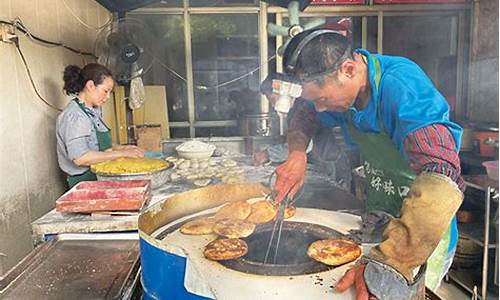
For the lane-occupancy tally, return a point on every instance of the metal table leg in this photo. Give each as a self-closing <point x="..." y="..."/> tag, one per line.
<point x="484" y="283"/>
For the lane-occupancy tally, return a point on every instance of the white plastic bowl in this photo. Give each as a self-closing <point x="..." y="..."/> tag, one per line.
<point x="195" y="155"/>
<point x="491" y="169"/>
<point x="195" y="150"/>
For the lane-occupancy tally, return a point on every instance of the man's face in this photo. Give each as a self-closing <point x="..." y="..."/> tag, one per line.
<point x="338" y="93"/>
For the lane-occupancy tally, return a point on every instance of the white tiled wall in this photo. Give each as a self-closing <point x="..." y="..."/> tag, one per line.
<point x="30" y="180"/>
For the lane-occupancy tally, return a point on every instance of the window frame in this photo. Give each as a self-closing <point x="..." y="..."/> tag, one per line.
<point x="263" y="11"/>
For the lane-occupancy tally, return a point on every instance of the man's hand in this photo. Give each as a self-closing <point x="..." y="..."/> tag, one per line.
<point x="131" y="152"/>
<point x="355" y="276"/>
<point x="290" y="175"/>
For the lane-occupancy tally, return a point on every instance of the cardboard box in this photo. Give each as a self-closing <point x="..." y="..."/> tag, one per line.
<point x="149" y="137"/>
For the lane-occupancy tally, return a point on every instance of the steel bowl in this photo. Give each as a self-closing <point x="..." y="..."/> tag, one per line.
<point x="157" y="178"/>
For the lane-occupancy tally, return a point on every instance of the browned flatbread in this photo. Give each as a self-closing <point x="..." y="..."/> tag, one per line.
<point x="234" y="228"/>
<point x="198" y="226"/>
<point x="225" y="249"/>
<point x="334" y="252"/>
<point x="234" y="210"/>
<point x="290" y="212"/>
<point x="262" y="212"/>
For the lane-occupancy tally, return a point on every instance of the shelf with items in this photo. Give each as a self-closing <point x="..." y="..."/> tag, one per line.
<point x="482" y="183"/>
<point x="481" y="233"/>
<point x="467" y="281"/>
<point x="475" y="232"/>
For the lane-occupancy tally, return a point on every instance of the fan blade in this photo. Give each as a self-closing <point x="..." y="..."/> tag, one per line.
<point x="316" y="22"/>
<point x="275" y="30"/>
<point x="124" y="47"/>
<point x="293" y="12"/>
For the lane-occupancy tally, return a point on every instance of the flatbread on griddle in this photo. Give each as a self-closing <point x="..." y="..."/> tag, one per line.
<point x="334" y="252"/>
<point x="262" y="212"/>
<point x="224" y="249"/>
<point x="234" y="228"/>
<point x="198" y="226"/>
<point x="290" y="212"/>
<point x="234" y="210"/>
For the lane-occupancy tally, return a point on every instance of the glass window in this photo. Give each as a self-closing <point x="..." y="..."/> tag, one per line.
<point x="372" y="34"/>
<point x="166" y="4"/>
<point x="433" y="45"/>
<point x="177" y="132"/>
<point x="168" y="50"/>
<point x="350" y="26"/>
<point x="217" y="131"/>
<point x="225" y="51"/>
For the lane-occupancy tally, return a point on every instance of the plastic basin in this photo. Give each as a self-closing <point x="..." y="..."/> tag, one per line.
<point x="491" y="169"/>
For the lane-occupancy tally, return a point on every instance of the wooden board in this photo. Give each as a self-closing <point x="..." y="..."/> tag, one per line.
<point x="154" y="110"/>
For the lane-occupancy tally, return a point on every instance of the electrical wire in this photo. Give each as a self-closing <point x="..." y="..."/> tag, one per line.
<point x="31" y="78"/>
<point x="83" y="22"/>
<point x="204" y="87"/>
<point x="20" y="26"/>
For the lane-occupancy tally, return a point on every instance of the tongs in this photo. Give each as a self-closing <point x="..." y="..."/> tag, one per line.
<point x="278" y="223"/>
<point x="277" y="227"/>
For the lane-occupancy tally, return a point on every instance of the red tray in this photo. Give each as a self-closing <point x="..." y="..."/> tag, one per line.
<point x="92" y="196"/>
<point x="337" y="2"/>
<point x="418" y="1"/>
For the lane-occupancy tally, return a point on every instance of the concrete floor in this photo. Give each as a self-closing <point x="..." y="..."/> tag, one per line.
<point x="449" y="291"/>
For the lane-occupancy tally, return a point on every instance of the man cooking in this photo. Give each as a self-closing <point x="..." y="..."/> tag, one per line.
<point x="410" y="150"/>
<point x="328" y="148"/>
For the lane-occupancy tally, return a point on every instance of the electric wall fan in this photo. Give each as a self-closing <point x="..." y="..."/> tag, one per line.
<point x="124" y="47"/>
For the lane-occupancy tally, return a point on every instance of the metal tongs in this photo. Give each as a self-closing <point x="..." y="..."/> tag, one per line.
<point x="278" y="223"/>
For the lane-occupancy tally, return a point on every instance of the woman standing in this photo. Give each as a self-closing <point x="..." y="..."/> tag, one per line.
<point x="82" y="137"/>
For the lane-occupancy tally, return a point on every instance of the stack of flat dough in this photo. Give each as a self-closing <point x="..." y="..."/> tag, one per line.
<point x="233" y="221"/>
<point x="202" y="171"/>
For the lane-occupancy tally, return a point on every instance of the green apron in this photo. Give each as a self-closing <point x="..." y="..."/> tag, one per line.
<point x="389" y="178"/>
<point x="103" y="141"/>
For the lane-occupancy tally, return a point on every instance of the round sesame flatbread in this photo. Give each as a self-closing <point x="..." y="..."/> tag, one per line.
<point x="233" y="228"/>
<point x="234" y="210"/>
<point x="290" y="212"/>
<point x="198" y="226"/>
<point x="224" y="249"/>
<point x="334" y="252"/>
<point x="262" y="212"/>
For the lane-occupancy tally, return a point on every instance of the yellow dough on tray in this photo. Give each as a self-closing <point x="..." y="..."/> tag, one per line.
<point x="130" y="165"/>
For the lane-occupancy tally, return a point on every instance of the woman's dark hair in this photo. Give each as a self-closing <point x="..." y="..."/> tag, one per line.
<point x="75" y="77"/>
<point x="319" y="56"/>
